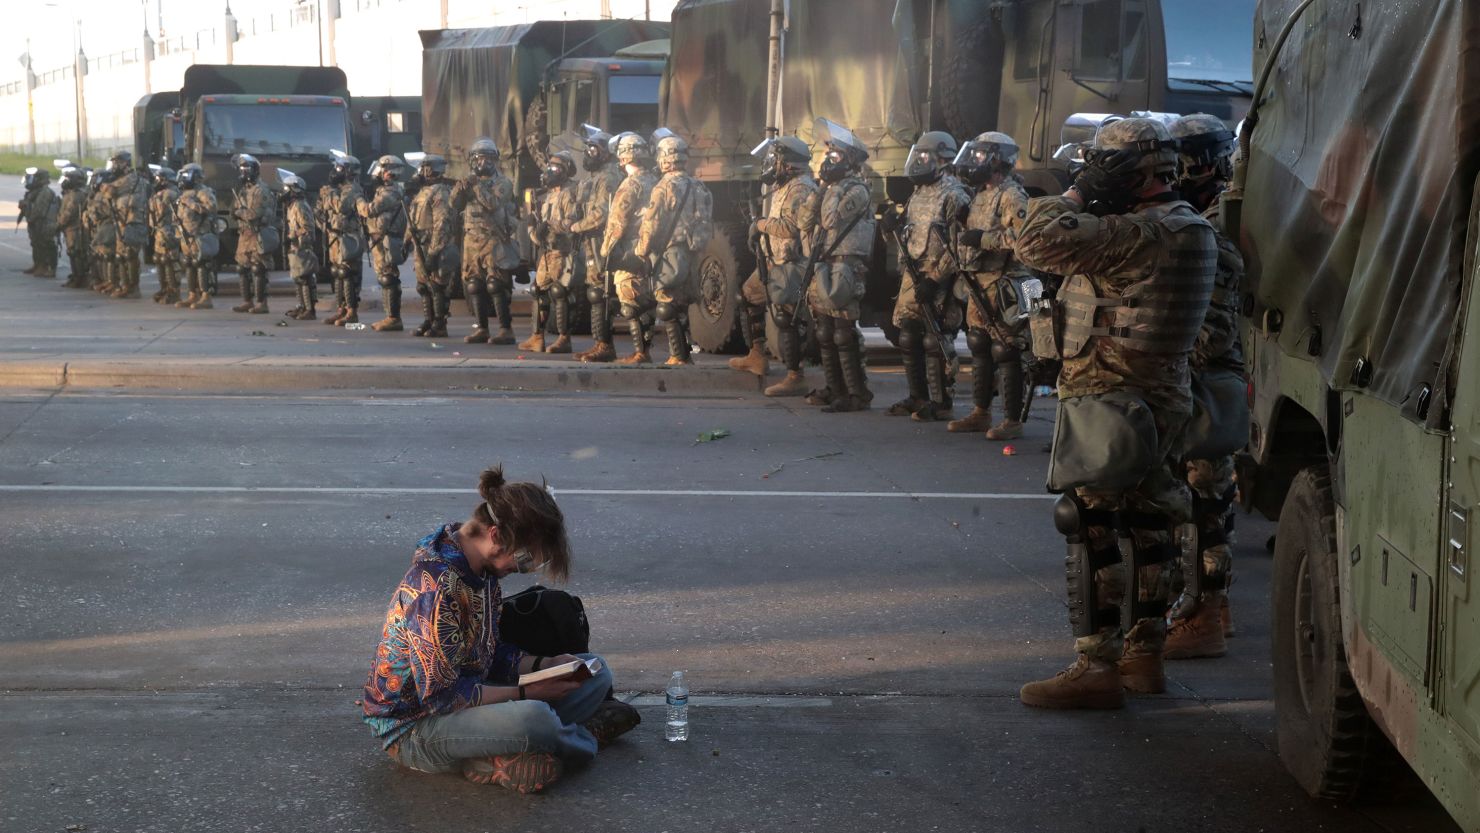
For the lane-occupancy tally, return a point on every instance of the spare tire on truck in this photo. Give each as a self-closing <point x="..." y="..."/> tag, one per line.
<point x="714" y="317"/>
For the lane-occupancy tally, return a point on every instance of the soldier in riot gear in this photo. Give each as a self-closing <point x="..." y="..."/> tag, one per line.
<point x="781" y="238"/>
<point x="923" y="311"/>
<point x="1140" y="277"/>
<point x="300" y="244"/>
<point x="985" y="245"/>
<point x="255" y="210"/>
<point x="70" y="224"/>
<point x="102" y="231"/>
<point x="40" y="208"/>
<point x="845" y="223"/>
<point x="342" y="209"/>
<point x="128" y="201"/>
<point x="166" y="239"/>
<point x="432" y="235"/>
<point x="195" y="215"/>
<point x="603" y="177"/>
<point x="1200" y="619"/>
<point x="385" y="221"/>
<point x="629" y="274"/>
<point x="550" y="232"/>
<point x="675" y="229"/>
<point x="485" y="199"/>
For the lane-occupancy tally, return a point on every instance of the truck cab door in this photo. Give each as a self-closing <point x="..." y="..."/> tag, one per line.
<point x="1459" y="597"/>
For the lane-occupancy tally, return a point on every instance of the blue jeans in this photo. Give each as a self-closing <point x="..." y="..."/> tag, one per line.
<point x="442" y="742"/>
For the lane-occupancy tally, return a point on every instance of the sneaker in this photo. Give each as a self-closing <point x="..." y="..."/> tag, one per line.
<point x="524" y="772"/>
<point x="613" y="719"/>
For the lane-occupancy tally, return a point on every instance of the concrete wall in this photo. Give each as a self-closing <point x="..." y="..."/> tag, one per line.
<point x="375" y="42"/>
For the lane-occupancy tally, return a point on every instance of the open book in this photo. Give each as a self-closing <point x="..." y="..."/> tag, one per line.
<point x="579" y="670"/>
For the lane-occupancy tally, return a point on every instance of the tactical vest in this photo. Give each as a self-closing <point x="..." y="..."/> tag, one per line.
<point x="860" y="240"/>
<point x="1163" y="312"/>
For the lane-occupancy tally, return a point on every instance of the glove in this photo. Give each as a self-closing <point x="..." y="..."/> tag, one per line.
<point x="1113" y="177"/>
<point x="889" y="218"/>
<point x="971" y="237"/>
<point x="926" y="291"/>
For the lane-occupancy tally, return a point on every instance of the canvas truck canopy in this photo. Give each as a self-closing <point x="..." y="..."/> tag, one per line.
<point x="483" y="82"/>
<point x="1360" y="176"/>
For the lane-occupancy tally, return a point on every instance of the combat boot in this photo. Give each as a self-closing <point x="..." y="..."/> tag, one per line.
<point x="755" y="361"/>
<point x="639" y="344"/>
<point x="794" y="384"/>
<point x="158" y="297"/>
<point x="913" y="353"/>
<point x="388" y="325"/>
<point x="1087" y="684"/>
<point x="439" y="328"/>
<point x="980" y="419"/>
<point x="259" y="308"/>
<point x="428" y="311"/>
<point x="246" y="278"/>
<point x="1199" y="634"/>
<point x="339" y="314"/>
<point x="203" y="301"/>
<point x="602" y="352"/>
<point x="939" y="406"/>
<point x="1141" y="668"/>
<point x="390" y="298"/>
<point x="561" y="345"/>
<point x="479" y="335"/>
<point x="351" y="316"/>
<point x="855" y="379"/>
<point x="1007" y="429"/>
<point x="534" y="344"/>
<point x="505" y="335"/>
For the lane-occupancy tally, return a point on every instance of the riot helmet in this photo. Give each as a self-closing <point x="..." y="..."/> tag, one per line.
<point x="660" y="134"/>
<point x="1204" y="152"/>
<point x="633" y="149"/>
<point x="599" y="148"/>
<point x="346" y="168"/>
<point x="782" y="158"/>
<point x="103" y="176"/>
<point x="36" y="178"/>
<point x="929" y="156"/>
<point x="293" y="185"/>
<point x="987" y="155"/>
<point x="1127" y="156"/>
<point x="483" y="157"/>
<point x="387" y="168"/>
<point x="163" y="177"/>
<point x="845" y="153"/>
<point x="429" y="166"/>
<point x="673" y="154"/>
<point x="73" y="178"/>
<point x="191" y="176"/>
<point x="121" y="163"/>
<point x="558" y="170"/>
<point x="248" y="167"/>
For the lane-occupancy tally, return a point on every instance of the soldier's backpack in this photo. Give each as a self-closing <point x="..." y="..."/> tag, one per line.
<point x="1106" y="442"/>
<point x="1220" y="415"/>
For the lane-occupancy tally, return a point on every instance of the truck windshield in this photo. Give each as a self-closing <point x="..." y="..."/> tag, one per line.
<point x="274" y="129"/>
<point x="1211" y="44"/>
<point x="633" y="100"/>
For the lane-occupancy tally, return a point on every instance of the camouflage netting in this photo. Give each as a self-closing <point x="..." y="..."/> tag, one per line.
<point x="1359" y="184"/>
<point x="479" y="82"/>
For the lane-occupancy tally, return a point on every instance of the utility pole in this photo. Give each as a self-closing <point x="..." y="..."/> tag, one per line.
<point x="773" y="73"/>
<point x="30" y="99"/>
<point x="79" y="69"/>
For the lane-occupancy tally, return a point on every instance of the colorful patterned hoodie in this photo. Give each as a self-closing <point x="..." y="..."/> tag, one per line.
<point x="439" y="643"/>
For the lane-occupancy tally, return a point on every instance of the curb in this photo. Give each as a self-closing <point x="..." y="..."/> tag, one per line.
<point x="266" y="375"/>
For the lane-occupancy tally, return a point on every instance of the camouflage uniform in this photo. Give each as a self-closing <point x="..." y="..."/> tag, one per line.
<point x="166" y="242"/>
<point x="553" y="240"/>
<point x="255" y="208"/>
<point x="70" y="223"/>
<point x="995" y="344"/>
<point x="837" y="288"/>
<point x="595" y="197"/>
<point x="489" y="256"/>
<point x="681" y="203"/>
<point x="102" y="235"/>
<point x="195" y="213"/>
<point x="342" y="209"/>
<point x="432" y="232"/>
<point x="788" y="228"/>
<point x="128" y="197"/>
<point x="930" y="377"/>
<point x="385" y="220"/>
<point x="634" y="291"/>
<point x="301" y="243"/>
<point x="40" y="208"/>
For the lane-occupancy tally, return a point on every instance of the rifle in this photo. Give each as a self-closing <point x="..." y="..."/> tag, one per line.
<point x="656" y="252"/>
<point x="960" y="270"/>
<point x="608" y="288"/>
<point x="813" y="260"/>
<point x="927" y="311"/>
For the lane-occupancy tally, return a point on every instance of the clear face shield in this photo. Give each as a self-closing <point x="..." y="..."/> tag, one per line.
<point x="923" y="164"/>
<point x="28" y="179"/>
<point x="843" y="151"/>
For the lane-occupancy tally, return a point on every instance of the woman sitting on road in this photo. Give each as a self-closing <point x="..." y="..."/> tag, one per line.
<point x="442" y="694"/>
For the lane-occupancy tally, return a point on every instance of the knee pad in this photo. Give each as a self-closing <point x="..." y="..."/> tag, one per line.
<point x="825" y="327"/>
<point x="845" y="336"/>
<point x="556" y="291"/>
<point x="667" y="311"/>
<point x="388" y="281"/>
<point x="979" y="342"/>
<point x="472" y="287"/>
<point x="910" y="335"/>
<point x="595" y="294"/>
<point x="1003" y="353"/>
<point x="930" y="341"/>
<point x="784" y="318"/>
<point x="631" y="310"/>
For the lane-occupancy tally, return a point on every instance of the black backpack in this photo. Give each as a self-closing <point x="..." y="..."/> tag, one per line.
<point x="545" y="622"/>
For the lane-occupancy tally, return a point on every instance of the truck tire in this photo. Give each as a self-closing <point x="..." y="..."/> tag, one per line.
<point x="971" y="58"/>
<point x="714" y="319"/>
<point x="1327" y="740"/>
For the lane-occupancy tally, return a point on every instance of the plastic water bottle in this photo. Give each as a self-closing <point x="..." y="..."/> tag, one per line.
<point x="678" y="708"/>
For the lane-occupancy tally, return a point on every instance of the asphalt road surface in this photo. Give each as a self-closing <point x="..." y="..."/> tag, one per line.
<point x="196" y="585"/>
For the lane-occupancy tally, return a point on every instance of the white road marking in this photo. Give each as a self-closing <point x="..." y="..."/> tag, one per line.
<point x="395" y="490"/>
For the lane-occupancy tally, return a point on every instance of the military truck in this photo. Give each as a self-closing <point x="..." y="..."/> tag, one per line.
<point x="535" y="84"/>
<point x="892" y="69"/>
<point x="1354" y="202"/>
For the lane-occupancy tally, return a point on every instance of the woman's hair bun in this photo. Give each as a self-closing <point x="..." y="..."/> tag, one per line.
<point x="490" y="481"/>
